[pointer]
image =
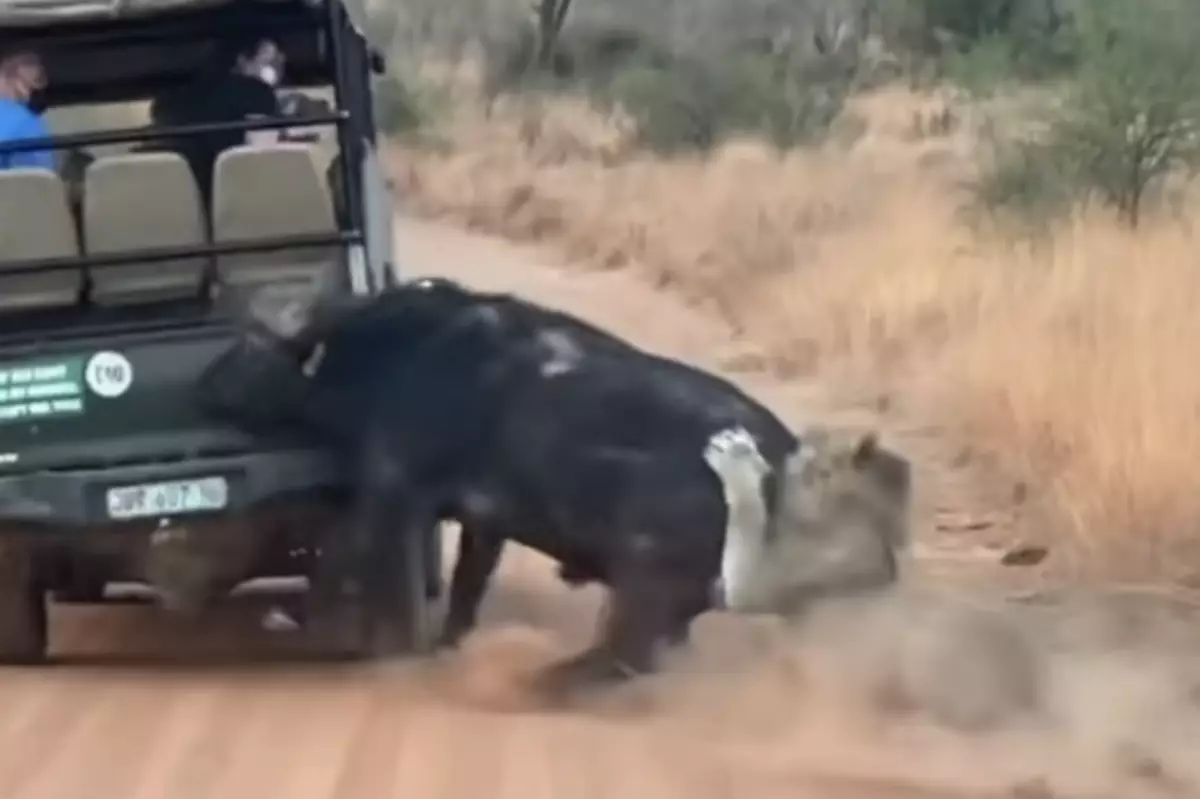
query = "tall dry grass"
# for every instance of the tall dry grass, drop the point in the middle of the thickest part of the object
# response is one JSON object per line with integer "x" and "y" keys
{"x": 1068, "y": 363}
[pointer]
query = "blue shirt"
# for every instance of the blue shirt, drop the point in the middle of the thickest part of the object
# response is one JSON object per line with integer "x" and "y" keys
{"x": 18, "y": 122}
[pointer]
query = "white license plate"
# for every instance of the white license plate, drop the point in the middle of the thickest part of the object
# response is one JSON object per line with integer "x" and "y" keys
{"x": 167, "y": 499}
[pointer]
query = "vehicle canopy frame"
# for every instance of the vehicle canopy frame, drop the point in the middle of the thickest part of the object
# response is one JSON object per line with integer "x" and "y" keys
{"x": 100, "y": 52}
{"x": 60, "y": 537}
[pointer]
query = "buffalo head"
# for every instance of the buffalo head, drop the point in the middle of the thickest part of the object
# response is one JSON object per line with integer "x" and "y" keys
{"x": 293, "y": 356}
{"x": 258, "y": 383}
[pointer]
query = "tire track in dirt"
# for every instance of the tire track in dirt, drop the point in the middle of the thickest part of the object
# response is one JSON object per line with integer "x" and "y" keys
{"x": 151, "y": 709}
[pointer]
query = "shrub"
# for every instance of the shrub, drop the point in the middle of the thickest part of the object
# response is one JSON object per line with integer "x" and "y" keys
{"x": 399, "y": 109}
{"x": 1128, "y": 119}
{"x": 674, "y": 109}
{"x": 585, "y": 56}
{"x": 1021, "y": 185}
{"x": 999, "y": 39}
{"x": 681, "y": 100}
{"x": 693, "y": 104}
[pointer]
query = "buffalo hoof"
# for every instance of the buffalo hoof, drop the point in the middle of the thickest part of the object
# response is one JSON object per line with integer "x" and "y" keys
{"x": 582, "y": 674}
{"x": 679, "y": 639}
{"x": 680, "y": 636}
{"x": 450, "y": 638}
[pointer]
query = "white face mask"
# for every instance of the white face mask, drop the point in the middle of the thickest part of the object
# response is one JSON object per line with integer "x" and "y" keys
{"x": 269, "y": 75}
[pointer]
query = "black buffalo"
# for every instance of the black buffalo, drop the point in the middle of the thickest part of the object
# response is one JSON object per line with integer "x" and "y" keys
{"x": 524, "y": 423}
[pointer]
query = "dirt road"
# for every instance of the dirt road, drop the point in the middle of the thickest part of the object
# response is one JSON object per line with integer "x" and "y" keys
{"x": 153, "y": 710}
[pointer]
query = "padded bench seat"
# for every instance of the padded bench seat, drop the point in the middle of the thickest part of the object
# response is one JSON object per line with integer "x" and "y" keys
{"x": 36, "y": 224}
{"x": 139, "y": 201}
{"x": 270, "y": 191}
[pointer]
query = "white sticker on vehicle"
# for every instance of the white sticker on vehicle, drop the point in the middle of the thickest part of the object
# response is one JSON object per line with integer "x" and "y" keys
{"x": 109, "y": 374}
{"x": 40, "y": 389}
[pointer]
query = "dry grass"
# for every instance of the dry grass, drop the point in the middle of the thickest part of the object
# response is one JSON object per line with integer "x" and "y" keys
{"x": 1068, "y": 363}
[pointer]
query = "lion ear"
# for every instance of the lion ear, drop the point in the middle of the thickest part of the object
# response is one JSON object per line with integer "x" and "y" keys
{"x": 865, "y": 448}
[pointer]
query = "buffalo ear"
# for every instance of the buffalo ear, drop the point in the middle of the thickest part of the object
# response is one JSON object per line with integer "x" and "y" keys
{"x": 865, "y": 449}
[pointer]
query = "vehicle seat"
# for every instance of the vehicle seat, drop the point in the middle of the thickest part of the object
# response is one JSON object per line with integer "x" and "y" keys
{"x": 268, "y": 191}
{"x": 141, "y": 201}
{"x": 35, "y": 224}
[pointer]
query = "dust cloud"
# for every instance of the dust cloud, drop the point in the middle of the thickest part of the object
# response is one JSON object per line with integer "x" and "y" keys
{"x": 1082, "y": 697}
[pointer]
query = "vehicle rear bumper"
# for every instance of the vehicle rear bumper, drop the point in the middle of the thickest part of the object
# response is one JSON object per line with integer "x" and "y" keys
{"x": 78, "y": 498}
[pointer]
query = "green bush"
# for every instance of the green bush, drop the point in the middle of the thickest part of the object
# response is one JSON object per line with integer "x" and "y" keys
{"x": 509, "y": 59}
{"x": 934, "y": 26}
{"x": 399, "y": 110}
{"x": 674, "y": 109}
{"x": 584, "y": 56}
{"x": 790, "y": 103}
{"x": 1022, "y": 184}
{"x": 1128, "y": 118}
{"x": 993, "y": 39}
{"x": 681, "y": 101}
{"x": 694, "y": 105}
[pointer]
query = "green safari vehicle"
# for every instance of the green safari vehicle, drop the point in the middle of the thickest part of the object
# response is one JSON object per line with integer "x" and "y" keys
{"x": 116, "y": 279}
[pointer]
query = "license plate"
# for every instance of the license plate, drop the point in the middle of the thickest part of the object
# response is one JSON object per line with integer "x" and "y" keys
{"x": 167, "y": 499}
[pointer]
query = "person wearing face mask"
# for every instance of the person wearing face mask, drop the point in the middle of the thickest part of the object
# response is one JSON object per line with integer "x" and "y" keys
{"x": 263, "y": 60}
{"x": 22, "y": 80}
{"x": 243, "y": 91}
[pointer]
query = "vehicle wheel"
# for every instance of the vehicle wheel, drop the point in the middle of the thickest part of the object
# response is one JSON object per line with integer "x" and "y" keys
{"x": 80, "y": 587}
{"x": 434, "y": 583}
{"x": 24, "y": 622}
{"x": 335, "y": 620}
{"x": 340, "y": 631}
{"x": 406, "y": 624}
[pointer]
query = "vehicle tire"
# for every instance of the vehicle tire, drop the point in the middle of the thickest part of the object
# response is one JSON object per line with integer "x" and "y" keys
{"x": 405, "y": 624}
{"x": 24, "y": 618}
{"x": 77, "y": 584}
{"x": 341, "y": 632}
{"x": 335, "y": 621}
{"x": 434, "y": 584}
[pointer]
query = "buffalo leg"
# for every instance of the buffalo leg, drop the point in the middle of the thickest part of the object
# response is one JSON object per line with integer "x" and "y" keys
{"x": 694, "y": 603}
{"x": 639, "y": 615}
{"x": 478, "y": 557}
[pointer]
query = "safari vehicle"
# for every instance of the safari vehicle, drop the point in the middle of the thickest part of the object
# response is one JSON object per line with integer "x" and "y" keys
{"x": 112, "y": 307}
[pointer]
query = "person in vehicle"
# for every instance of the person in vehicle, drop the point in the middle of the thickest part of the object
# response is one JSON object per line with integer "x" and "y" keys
{"x": 244, "y": 90}
{"x": 258, "y": 65}
{"x": 22, "y": 81}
